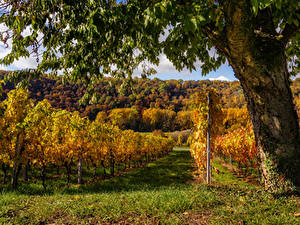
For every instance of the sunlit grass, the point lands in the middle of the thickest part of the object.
(163, 192)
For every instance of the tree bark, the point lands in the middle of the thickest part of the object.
(112, 168)
(17, 161)
(25, 172)
(43, 176)
(112, 163)
(68, 168)
(104, 169)
(4, 169)
(79, 180)
(94, 171)
(259, 62)
(57, 169)
(275, 125)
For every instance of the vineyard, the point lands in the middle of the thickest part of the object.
(231, 133)
(40, 137)
(124, 176)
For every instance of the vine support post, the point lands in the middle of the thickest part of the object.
(208, 167)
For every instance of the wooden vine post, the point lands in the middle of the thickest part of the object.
(208, 167)
(208, 119)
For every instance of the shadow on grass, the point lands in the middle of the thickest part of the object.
(173, 170)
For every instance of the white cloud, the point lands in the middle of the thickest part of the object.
(4, 51)
(22, 62)
(166, 66)
(221, 78)
(163, 37)
(25, 63)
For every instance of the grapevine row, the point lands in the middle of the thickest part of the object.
(41, 136)
(231, 132)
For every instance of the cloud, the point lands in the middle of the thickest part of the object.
(166, 66)
(26, 63)
(4, 51)
(22, 62)
(221, 78)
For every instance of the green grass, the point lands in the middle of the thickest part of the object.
(163, 192)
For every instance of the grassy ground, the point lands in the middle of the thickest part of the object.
(163, 192)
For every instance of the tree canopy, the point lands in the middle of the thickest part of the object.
(86, 39)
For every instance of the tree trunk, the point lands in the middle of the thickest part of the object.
(43, 176)
(79, 180)
(276, 129)
(104, 169)
(4, 169)
(25, 173)
(15, 175)
(112, 168)
(259, 62)
(17, 161)
(112, 164)
(68, 168)
(57, 170)
(94, 171)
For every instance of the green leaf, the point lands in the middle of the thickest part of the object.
(254, 6)
(201, 18)
(278, 4)
(194, 22)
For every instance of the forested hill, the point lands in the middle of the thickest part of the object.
(144, 93)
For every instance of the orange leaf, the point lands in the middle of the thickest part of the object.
(297, 214)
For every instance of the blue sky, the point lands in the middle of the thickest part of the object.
(224, 71)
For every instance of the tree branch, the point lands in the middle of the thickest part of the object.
(219, 40)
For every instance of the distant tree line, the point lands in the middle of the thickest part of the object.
(145, 105)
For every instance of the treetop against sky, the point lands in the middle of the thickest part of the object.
(165, 69)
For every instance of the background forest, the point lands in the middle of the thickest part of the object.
(145, 105)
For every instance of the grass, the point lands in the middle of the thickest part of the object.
(163, 192)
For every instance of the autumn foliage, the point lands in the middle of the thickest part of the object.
(239, 144)
(111, 97)
(41, 136)
(231, 132)
(201, 110)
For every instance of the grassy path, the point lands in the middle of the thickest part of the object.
(163, 192)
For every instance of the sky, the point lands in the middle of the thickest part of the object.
(225, 73)
(165, 70)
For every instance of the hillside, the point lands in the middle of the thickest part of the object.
(110, 93)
